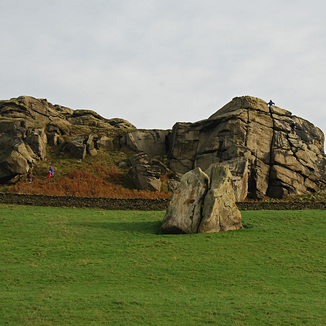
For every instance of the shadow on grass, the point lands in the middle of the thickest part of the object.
(248, 226)
(132, 227)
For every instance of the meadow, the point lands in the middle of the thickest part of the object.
(69, 266)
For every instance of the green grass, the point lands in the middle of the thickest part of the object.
(66, 266)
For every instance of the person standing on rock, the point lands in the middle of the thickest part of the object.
(293, 127)
(270, 103)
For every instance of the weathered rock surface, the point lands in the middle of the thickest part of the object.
(145, 172)
(90, 144)
(31, 109)
(256, 142)
(16, 157)
(184, 212)
(258, 145)
(220, 212)
(28, 125)
(37, 140)
(76, 147)
(104, 142)
(152, 142)
(203, 203)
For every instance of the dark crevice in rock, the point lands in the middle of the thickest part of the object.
(208, 184)
(271, 151)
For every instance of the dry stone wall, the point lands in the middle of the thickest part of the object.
(137, 203)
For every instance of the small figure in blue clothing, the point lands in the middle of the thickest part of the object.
(270, 103)
(51, 170)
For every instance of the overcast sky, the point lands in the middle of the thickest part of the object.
(157, 62)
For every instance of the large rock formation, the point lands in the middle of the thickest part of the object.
(257, 143)
(28, 125)
(203, 203)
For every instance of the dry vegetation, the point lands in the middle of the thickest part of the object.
(101, 176)
(83, 183)
(93, 177)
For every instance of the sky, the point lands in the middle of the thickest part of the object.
(158, 62)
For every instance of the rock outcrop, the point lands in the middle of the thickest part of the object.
(16, 157)
(76, 147)
(152, 142)
(265, 155)
(28, 125)
(257, 143)
(203, 203)
(146, 172)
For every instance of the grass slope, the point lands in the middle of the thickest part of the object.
(63, 266)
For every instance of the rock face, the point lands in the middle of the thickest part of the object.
(37, 140)
(146, 172)
(76, 147)
(28, 125)
(203, 203)
(256, 142)
(16, 157)
(151, 142)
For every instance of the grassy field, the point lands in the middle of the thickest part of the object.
(63, 266)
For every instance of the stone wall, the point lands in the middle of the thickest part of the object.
(138, 203)
(244, 206)
(91, 202)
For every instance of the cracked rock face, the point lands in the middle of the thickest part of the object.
(145, 173)
(265, 154)
(28, 125)
(204, 202)
(277, 160)
(151, 142)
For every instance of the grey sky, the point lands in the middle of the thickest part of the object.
(156, 62)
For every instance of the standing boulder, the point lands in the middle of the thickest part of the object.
(184, 212)
(239, 168)
(220, 213)
(203, 203)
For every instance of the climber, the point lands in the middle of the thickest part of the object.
(293, 126)
(270, 103)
